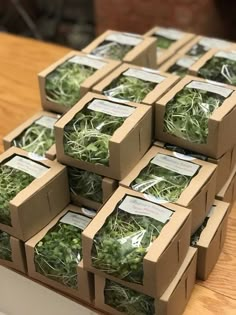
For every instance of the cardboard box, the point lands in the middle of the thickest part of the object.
(197, 196)
(221, 136)
(85, 280)
(149, 74)
(211, 239)
(18, 260)
(103, 66)
(127, 145)
(179, 37)
(9, 140)
(37, 204)
(164, 257)
(178, 61)
(143, 52)
(228, 192)
(174, 299)
(225, 164)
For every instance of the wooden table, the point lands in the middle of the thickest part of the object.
(20, 61)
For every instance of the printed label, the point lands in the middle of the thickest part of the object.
(176, 165)
(88, 61)
(170, 33)
(185, 62)
(124, 38)
(209, 43)
(46, 121)
(76, 220)
(214, 88)
(138, 206)
(144, 75)
(110, 108)
(22, 164)
(227, 55)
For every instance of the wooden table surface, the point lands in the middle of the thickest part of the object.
(20, 61)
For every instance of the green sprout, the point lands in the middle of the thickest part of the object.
(121, 244)
(85, 184)
(220, 70)
(5, 246)
(129, 88)
(161, 183)
(12, 181)
(36, 139)
(87, 135)
(164, 42)
(187, 114)
(63, 84)
(128, 301)
(112, 50)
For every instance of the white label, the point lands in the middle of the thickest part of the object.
(227, 55)
(211, 211)
(76, 220)
(124, 39)
(176, 165)
(110, 108)
(138, 206)
(209, 43)
(25, 165)
(144, 75)
(88, 61)
(170, 33)
(46, 121)
(183, 156)
(185, 62)
(214, 88)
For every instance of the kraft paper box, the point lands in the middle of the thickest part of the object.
(85, 280)
(178, 37)
(42, 118)
(221, 123)
(16, 257)
(228, 192)
(174, 299)
(167, 252)
(211, 239)
(197, 196)
(102, 66)
(36, 205)
(225, 164)
(143, 52)
(126, 146)
(163, 81)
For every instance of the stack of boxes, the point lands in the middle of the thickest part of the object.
(131, 209)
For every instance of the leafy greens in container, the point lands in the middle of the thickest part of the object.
(87, 135)
(5, 246)
(60, 250)
(165, 178)
(133, 85)
(128, 301)
(221, 67)
(181, 66)
(39, 137)
(167, 36)
(120, 245)
(187, 114)
(86, 184)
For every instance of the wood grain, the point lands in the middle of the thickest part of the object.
(20, 61)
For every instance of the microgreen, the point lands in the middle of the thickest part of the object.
(128, 301)
(85, 184)
(219, 69)
(129, 88)
(112, 50)
(197, 51)
(196, 236)
(87, 135)
(36, 139)
(121, 244)
(63, 84)
(5, 246)
(187, 114)
(178, 70)
(164, 42)
(12, 181)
